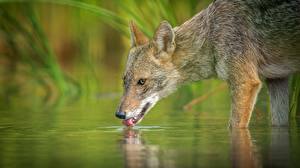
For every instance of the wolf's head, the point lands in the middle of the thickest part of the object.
(150, 72)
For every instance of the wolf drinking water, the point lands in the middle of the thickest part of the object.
(240, 41)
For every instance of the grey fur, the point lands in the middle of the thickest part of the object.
(279, 94)
(231, 27)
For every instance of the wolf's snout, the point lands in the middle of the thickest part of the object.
(121, 115)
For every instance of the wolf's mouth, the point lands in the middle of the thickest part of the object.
(134, 120)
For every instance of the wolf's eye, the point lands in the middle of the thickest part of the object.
(141, 82)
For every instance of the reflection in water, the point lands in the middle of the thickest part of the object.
(279, 148)
(243, 151)
(136, 153)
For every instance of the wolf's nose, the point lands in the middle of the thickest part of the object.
(121, 115)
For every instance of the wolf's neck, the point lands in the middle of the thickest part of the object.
(193, 55)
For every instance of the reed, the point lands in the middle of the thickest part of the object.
(295, 96)
(29, 45)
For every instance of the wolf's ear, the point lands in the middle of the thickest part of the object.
(137, 37)
(165, 38)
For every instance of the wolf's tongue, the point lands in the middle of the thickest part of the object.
(128, 122)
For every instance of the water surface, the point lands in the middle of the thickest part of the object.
(79, 135)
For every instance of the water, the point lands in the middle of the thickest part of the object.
(86, 134)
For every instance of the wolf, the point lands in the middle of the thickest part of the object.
(243, 42)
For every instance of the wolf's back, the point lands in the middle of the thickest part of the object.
(276, 23)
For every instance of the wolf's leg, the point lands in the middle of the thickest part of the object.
(244, 85)
(279, 96)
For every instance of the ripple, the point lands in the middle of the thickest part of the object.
(141, 128)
